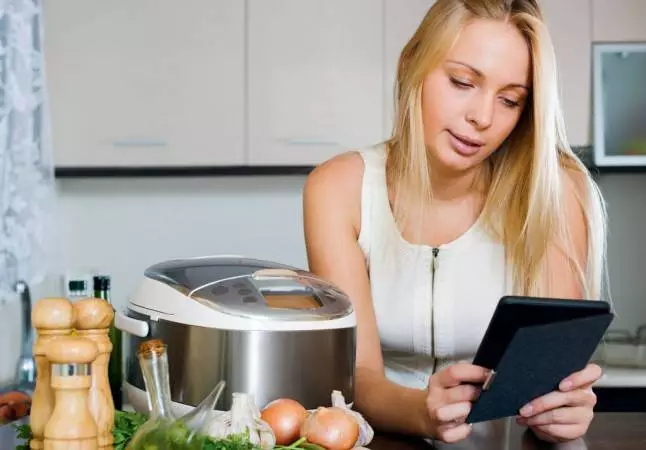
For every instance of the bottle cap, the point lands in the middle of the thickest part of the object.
(77, 285)
(101, 282)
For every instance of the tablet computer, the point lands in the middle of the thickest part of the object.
(531, 344)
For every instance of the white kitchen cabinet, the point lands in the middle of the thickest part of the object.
(146, 82)
(315, 79)
(618, 20)
(570, 28)
(402, 19)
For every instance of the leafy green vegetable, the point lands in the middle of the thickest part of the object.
(301, 444)
(126, 425)
(175, 436)
(24, 433)
(233, 442)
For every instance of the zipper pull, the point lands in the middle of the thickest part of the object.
(435, 253)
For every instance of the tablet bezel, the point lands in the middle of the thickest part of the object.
(515, 312)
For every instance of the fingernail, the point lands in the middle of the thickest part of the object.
(566, 385)
(526, 410)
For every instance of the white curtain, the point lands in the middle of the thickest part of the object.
(27, 191)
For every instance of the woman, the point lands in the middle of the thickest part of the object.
(476, 195)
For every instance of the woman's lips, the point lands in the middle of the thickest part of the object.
(463, 145)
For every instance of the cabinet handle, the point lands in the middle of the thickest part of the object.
(314, 142)
(139, 143)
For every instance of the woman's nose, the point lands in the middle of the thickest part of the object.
(480, 112)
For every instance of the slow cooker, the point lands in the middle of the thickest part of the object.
(268, 329)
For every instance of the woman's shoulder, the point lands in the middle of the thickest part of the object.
(337, 174)
(343, 174)
(334, 187)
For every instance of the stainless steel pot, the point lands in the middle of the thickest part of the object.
(266, 329)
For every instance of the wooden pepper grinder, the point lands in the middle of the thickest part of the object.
(52, 318)
(93, 319)
(71, 426)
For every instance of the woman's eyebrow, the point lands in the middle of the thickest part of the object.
(481, 75)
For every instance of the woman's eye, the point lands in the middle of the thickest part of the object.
(461, 84)
(510, 103)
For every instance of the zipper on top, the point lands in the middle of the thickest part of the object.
(434, 267)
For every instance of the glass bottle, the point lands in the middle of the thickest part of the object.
(101, 285)
(163, 430)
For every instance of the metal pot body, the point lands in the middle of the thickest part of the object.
(302, 365)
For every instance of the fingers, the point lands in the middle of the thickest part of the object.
(449, 399)
(453, 433)
(462, 393)
(454, 413)
(561, 433)
(452, 427)
(556, 399)
(561, 416)
(457, 374)
(583, 378)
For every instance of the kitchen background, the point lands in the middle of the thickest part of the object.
(257, 83)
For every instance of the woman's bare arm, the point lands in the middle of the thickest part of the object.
(332, 215)
(563, 280)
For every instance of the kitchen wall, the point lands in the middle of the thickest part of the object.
(120, 226)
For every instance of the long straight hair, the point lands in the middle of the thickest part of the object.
(524, 206)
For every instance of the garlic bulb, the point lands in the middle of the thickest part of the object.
(243, 418)
(366, 433)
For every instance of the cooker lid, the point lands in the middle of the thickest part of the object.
(254, 288)
(192, 273)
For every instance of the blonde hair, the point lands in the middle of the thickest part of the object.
(524, 207)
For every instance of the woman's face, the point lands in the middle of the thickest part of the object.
(474, 99)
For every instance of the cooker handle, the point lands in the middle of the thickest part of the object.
(130, 325)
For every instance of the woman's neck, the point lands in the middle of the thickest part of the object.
(448, 186)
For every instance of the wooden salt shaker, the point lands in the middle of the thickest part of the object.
(52, 318)
(93, 319)
(71, 426)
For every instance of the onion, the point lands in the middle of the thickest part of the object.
(332, 428)
(14, 405)
(285, 417)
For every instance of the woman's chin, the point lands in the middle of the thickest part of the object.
(450, 160)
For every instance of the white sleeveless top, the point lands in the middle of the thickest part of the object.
(432, 305)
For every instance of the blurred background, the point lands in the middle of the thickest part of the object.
(167, 129)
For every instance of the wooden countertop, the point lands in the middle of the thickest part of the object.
(609, 431)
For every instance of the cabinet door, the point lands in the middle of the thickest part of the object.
(402, 19)
(619, 20)
(570, 28)
(146, 82)
(315, 79)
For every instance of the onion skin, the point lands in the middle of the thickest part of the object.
(285, 417)
(332, 428)
(14, 405)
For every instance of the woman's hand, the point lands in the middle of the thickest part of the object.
(449, 400)
(565, 414)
